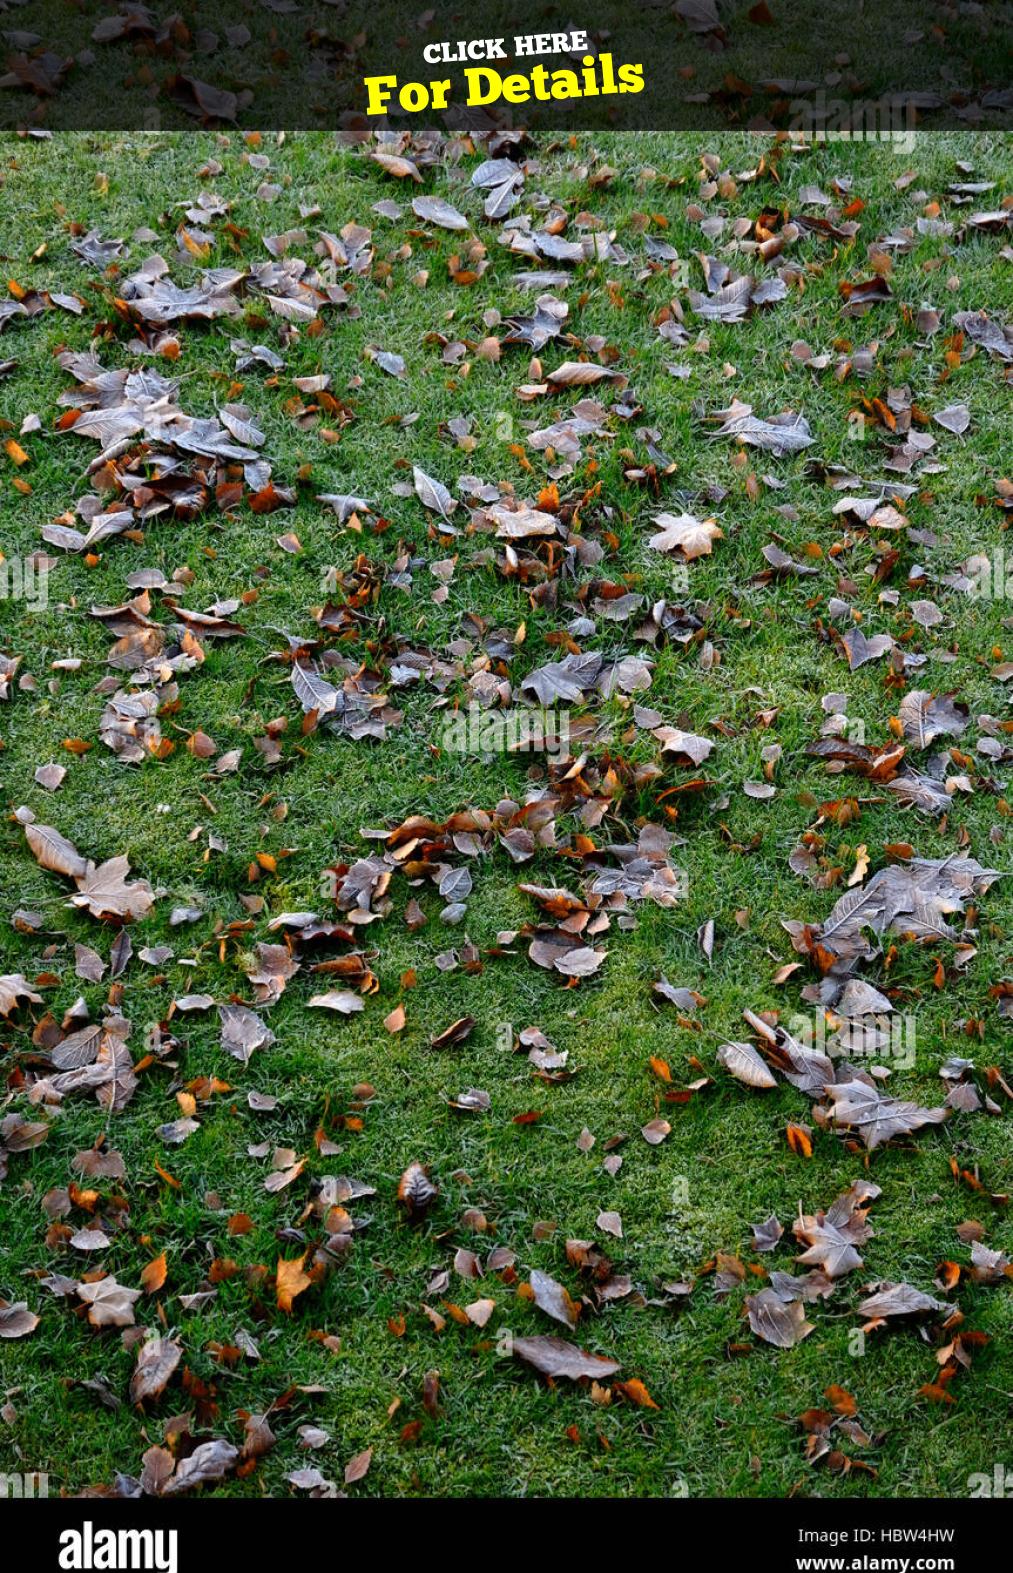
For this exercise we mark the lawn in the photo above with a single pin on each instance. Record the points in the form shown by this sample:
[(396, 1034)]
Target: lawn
[(243, 840)]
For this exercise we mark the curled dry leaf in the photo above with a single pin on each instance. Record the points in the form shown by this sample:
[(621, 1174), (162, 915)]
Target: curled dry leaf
[(16, 1321), (553, 1298), (416, 1192), (15, 988), (208, 1461), (457, 1032)]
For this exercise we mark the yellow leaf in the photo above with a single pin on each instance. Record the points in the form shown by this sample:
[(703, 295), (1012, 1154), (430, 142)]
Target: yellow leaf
[(291, 1281)]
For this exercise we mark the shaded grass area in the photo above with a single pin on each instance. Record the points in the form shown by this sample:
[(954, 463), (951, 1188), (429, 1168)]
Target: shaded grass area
[(723, 1425), (276, 79)]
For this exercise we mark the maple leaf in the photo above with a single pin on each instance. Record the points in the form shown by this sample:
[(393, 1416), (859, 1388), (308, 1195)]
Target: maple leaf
[(832, 1237), (859, 1106), (14, 987), (291, 1280), (777, 1321), (104, 892), (926, 716), (685, 533), (110, 1304)]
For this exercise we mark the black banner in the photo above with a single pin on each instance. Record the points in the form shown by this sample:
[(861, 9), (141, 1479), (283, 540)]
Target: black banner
[(796, 1536)]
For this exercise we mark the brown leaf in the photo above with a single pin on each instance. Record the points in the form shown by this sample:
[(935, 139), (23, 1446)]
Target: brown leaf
[(767, 1234), (832, 1237), (926, 716), (552, 1298), (157, 1359), (16, 1321), (110, 1303), (636, 1393), (455, 1033), (578, 373), (54, 852), (209, 1461), (746, 1065), (877, 1118), (103, 891), (393, 164), (557, 1358), (14, 987), (890, 1299), (416, 1191), (358, 1467), (435, 211), (777, 1321), (685, 533)]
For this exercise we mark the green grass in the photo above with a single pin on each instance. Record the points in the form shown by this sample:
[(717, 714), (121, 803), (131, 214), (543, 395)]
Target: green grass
[(723, 1426)]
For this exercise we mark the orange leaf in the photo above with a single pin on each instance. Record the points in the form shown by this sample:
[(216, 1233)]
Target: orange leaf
[(799, 1141), (637, 1393), (841, 1399), (154, 1275), (291, 1281)]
